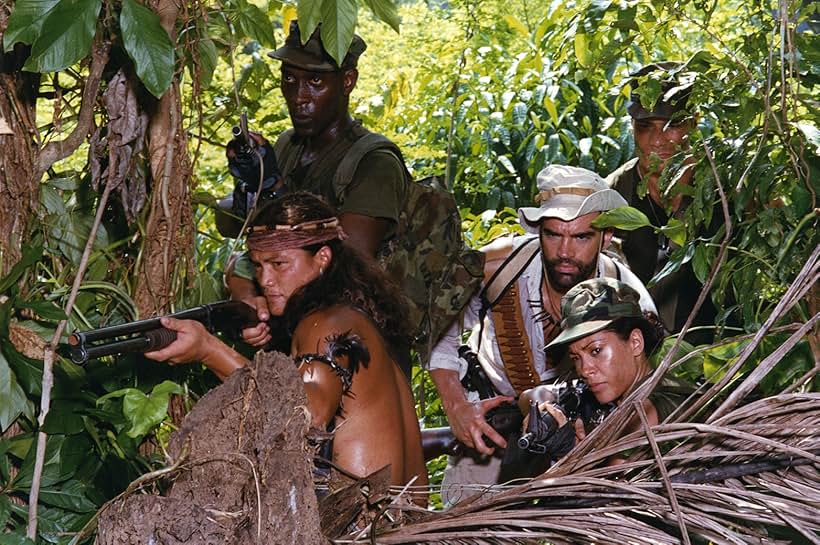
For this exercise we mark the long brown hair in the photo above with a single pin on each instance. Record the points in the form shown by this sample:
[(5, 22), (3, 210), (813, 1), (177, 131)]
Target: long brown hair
[(350, 278)]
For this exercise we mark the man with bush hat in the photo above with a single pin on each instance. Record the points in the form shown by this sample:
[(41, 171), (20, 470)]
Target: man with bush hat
[(662, 120), (309, 156), (517, 312)]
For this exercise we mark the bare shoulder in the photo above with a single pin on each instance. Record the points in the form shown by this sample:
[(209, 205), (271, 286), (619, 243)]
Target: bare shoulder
[(316, 328)]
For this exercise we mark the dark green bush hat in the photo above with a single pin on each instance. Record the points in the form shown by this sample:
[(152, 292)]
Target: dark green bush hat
[(676, 86), (312, 55), (592, 305)]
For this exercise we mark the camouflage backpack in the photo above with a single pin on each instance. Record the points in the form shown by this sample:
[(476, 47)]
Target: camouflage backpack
[(427, 255)]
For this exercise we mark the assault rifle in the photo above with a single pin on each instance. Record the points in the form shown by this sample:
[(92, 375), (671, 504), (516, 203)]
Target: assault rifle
[(229, 317)]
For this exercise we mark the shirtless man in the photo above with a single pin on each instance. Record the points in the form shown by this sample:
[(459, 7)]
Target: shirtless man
[(345, 320)]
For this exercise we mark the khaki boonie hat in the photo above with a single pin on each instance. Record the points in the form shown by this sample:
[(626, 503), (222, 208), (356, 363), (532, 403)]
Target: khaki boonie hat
[(312, 55), (592, 305), (567, 193)]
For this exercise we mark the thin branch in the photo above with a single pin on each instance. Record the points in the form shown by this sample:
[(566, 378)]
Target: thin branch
[(48, 365), (673, 499)]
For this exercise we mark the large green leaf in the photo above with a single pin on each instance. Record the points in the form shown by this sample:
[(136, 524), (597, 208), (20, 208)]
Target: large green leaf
[(625, 218), (70, 495), (387, 12), (309, 13), (65, 37), (144, 411), (255, 23), (51, 466), (148, 45), (25, 21), (338, 21), (15, 538), (13, 401)]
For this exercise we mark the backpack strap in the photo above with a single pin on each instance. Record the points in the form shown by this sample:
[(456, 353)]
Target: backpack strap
[(350, 162), (500, 296), (509, 271), (611, 269)]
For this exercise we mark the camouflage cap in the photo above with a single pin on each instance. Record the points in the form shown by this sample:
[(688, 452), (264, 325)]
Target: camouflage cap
[(312, 54), (675, 87), (566, 193), (592, 305)]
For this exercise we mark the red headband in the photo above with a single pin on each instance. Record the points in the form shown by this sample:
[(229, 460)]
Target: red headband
[(288, 237)]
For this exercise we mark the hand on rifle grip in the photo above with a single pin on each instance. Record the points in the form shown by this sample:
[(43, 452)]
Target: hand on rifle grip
[(259, 335)]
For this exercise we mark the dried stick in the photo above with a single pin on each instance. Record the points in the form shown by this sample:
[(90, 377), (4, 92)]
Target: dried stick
[(48, 366), (673, 499), (762, 370)]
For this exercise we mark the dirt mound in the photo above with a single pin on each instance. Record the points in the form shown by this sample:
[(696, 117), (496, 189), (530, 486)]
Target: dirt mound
[(244, 447)]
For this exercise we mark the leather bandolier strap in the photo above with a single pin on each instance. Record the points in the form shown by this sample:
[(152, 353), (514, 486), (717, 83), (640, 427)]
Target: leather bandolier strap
[(514, 343)]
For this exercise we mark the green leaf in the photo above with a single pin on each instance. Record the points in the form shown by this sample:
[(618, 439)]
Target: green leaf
[(208, 59), (625, 218), (148, 45), (338, 21), (51, 465), (25, 21), (64, 418), (309, 14), (44, 309), (65, 37), (700, 264), (15, 538), (675, 230), (13, 401), (387, 11), (70, 495), (255, 23), (582, 52), (144, 411), (32, 252)]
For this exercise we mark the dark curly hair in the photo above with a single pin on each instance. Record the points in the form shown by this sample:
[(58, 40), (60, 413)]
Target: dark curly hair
[(650, 326), (350, 278)]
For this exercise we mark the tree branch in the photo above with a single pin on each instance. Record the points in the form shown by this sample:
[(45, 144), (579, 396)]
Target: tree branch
[(55, 151)]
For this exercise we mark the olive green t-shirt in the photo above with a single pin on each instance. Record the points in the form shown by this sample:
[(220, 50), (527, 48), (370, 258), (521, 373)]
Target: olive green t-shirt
[(378, 189)]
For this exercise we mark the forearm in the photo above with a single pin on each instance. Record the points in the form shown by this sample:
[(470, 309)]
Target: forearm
[(222, 359), (450, 389)]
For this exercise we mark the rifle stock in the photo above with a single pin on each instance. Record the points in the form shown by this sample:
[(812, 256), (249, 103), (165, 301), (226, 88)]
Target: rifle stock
[(149, 334)]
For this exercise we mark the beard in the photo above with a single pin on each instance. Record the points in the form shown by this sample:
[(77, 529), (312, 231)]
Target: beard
[(563, 282)]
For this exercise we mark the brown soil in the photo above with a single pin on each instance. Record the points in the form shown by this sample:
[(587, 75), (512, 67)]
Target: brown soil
[(246, 447)]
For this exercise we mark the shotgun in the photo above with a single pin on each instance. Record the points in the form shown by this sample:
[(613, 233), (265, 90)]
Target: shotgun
[(229, 317)]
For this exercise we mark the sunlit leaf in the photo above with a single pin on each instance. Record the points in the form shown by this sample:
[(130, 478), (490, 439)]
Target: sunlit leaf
[(582, 52), (256, 24), (148, 45), (386, 10), (144, 411), (675, 230), (65, 37), (625, 218)]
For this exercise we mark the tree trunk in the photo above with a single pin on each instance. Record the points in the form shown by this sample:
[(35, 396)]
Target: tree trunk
[(168, 245), (19, 190)]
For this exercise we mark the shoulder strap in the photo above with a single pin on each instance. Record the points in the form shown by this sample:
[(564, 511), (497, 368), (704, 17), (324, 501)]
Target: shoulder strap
[(509, 271), (350, 162), (611, 269)]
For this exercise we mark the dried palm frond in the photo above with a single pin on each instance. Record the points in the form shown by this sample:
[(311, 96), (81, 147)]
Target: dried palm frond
[(750, 477)]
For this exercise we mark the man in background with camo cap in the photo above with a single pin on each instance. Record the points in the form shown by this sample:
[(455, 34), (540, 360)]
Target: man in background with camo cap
[(517, 313), (661, 132)]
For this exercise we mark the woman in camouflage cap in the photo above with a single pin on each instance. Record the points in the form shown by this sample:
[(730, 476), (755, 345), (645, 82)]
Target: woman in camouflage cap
[(609, 340)]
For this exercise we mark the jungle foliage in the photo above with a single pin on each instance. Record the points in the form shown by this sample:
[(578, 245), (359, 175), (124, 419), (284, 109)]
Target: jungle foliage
[(485, 93)]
